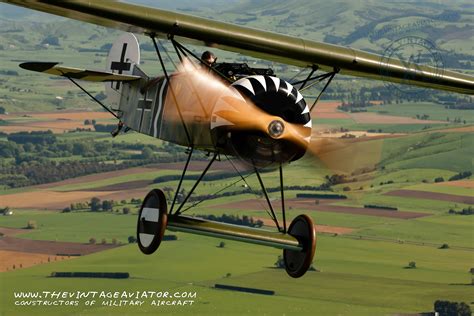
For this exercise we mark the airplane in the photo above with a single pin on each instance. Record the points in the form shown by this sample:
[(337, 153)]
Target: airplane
[(226, 109)]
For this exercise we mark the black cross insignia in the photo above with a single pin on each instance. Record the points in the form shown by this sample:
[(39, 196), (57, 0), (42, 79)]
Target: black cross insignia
[(121, 65), (143, 105)]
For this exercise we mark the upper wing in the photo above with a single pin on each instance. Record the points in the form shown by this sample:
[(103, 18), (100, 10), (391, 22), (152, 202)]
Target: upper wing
[(252, 42), (76, 73)]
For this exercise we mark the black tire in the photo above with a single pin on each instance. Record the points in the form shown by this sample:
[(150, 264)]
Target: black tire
[(298, 262)]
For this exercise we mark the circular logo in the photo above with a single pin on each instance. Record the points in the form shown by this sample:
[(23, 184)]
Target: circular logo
[(411, 51)]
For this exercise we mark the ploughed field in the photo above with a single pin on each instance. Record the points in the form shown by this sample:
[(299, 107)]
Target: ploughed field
[(18, 253)]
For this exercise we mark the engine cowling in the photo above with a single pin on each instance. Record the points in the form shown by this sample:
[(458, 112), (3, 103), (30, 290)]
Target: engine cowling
[(273, 107)]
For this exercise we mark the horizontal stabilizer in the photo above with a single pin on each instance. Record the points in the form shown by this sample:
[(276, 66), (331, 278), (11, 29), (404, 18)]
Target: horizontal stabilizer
[(76, 73)]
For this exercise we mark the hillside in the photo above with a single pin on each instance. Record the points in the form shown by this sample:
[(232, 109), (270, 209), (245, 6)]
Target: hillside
[(366, 24), (372, 26)]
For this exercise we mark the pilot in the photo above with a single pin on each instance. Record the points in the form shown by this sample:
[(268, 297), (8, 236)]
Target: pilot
[(209, 58)]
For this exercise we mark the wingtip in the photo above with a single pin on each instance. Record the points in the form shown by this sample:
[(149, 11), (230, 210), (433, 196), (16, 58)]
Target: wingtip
[(38, 66)]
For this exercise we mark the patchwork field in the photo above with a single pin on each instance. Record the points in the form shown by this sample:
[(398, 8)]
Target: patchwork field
[(469, 184), (319, 228), (459, 129), (57, 122), (345, 267), (436, 112), (96, 177), (433, 196), (367, 118), (328, 110), (12, 260), (113, 185), (18, 253), (52, 200), (323, 206)]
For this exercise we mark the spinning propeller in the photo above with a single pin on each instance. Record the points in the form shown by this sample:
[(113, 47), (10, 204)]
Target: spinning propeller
[(265, 121)]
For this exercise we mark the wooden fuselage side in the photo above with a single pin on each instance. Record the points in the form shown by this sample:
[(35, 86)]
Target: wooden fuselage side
[(167, 110)]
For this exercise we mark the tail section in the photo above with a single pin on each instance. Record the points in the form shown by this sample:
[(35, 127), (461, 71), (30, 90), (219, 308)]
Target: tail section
[(132, 99), (123, 57)]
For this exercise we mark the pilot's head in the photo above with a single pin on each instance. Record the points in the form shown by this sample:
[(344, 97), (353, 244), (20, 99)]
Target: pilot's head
[(209, 58)]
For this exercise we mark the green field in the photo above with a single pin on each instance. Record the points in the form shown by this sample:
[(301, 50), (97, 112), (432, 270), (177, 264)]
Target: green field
[(115, 180), (356, 278), (398, 128), (452, 230), (436, 112), (81, 227), (440, 188), (429, 150)]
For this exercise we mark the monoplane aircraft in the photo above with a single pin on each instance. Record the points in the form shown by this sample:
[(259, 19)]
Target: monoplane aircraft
[(226, 109)]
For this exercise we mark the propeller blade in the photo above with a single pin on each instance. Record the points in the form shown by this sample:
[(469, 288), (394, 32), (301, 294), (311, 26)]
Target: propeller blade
[(347, 155)]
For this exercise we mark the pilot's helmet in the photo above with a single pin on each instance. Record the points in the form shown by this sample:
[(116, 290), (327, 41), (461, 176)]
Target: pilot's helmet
[(209, 58)]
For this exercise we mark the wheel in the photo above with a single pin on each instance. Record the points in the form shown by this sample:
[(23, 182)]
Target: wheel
[(152, 220), (298, 262)]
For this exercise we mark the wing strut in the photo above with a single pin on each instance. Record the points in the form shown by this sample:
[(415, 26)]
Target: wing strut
[(216, 193), (93, 98), (188, 136), (314, 68), (178, 47), (177, 50), (190, 153), (264, 190), (315, 80), (282, 191), (186, 51), (197, 182), (331, 76)]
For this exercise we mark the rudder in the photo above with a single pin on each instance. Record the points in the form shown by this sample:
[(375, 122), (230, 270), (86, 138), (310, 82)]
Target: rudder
[(123, 56)]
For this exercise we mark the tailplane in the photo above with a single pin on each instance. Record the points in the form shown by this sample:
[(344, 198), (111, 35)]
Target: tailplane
[(77, 73)]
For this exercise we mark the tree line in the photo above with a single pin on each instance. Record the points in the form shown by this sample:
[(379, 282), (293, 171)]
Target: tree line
[(33, 173), (234, 219), (34, 156)]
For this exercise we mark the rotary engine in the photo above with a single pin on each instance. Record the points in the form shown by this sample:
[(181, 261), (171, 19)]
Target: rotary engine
[(271, 127)]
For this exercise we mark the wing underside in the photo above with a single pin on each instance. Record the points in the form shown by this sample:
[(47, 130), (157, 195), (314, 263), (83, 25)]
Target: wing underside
[(252, 42)]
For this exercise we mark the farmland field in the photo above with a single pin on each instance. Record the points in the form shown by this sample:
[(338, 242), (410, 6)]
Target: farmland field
[(410, 110), (344, 266), (361, 247)]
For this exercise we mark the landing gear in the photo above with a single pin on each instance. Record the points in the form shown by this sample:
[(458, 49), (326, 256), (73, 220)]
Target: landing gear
[(298, 244), (152, 221), (298, 241), (298, 262)]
